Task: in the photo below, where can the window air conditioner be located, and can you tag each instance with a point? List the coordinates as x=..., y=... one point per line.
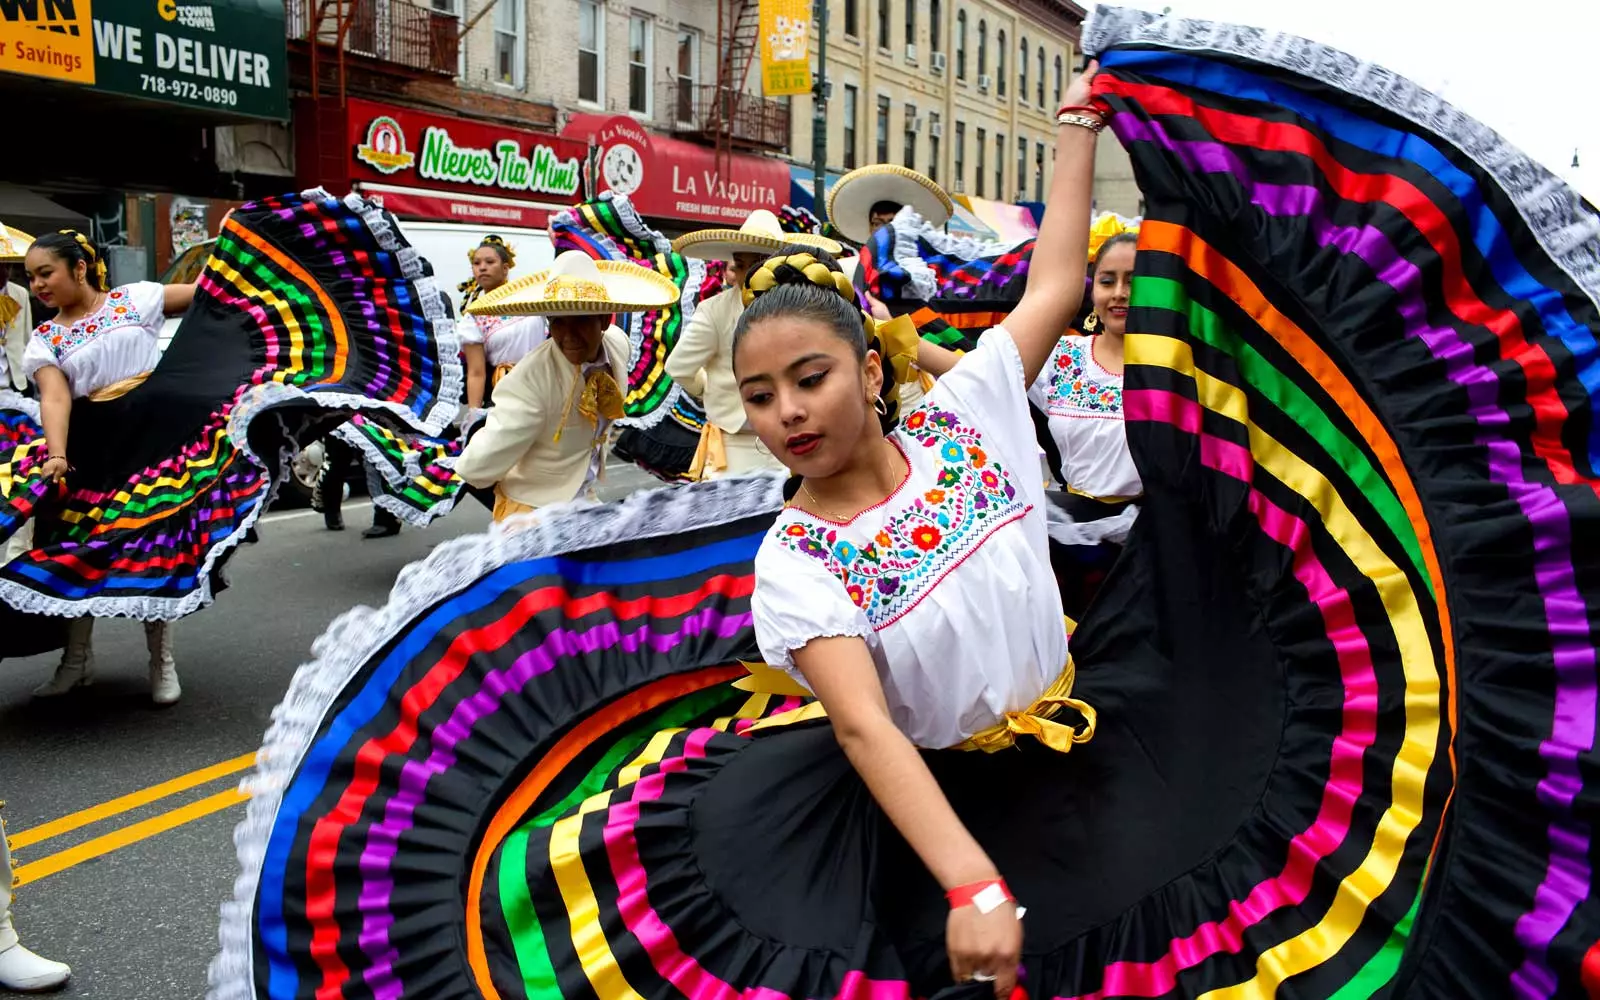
x=911, y=53
x=983, y=83
x=936, y=130
x=960, y=187
x=938, y=63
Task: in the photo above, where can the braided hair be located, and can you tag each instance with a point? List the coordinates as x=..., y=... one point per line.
x=73, y=247
x=469, y=289
x=806, y=283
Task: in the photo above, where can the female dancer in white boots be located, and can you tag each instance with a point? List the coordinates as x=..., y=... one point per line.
x=101, y=343
x=20, y=969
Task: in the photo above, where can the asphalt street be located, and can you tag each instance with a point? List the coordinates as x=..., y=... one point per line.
x=125, y=812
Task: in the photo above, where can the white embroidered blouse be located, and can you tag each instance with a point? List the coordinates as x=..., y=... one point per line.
x=948, y=579
x=119, y=340
x=1083, y=404
x=505, y=339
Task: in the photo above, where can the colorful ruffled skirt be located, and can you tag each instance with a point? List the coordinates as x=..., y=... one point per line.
x=311, y=308
x=1345, y=666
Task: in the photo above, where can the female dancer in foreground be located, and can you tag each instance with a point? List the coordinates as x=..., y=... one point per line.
x=907, y=585
x=102, y=342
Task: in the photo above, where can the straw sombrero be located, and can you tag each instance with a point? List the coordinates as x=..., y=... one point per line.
x=578, y=285
x=14, y=244
x=854, y=194
x=761, y=233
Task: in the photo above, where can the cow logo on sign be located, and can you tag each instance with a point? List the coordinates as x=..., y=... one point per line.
x=385, y=149
x=623, y=168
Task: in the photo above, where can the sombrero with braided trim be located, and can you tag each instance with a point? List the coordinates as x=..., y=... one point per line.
x=14, y=244
x=761, y=233
x=578, y=285
x=851, y=200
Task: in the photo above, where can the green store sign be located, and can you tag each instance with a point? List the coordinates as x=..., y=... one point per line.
x=227, y=56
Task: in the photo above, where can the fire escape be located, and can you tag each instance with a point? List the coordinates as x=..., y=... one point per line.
x=722, y=114
x=406, y=38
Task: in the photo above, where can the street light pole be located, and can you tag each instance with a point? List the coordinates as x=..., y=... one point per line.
x=819, y=108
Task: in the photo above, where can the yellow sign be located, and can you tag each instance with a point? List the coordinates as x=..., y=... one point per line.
x=785, y=47
x=53, y=38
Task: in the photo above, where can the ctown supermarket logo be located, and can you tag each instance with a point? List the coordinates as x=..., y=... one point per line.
x=385, y=149
x=60, y=16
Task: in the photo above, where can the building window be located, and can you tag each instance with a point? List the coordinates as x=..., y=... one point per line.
x=1000, y=60
x=850, y=111
x=852, y=18
x=935, y=26
x=1041, y=78
x=911, y=22
x=961, y=156
x=883, y=130
x=961, y=45
x=591, y=49
x=983, y=144
x=688, y=76
x=640, y=56
x=1022, y=167
x=910, y=159
x=509, y=40
x=983, y=47
x=1000, y=166
x=1058, y=81
x=883, y=24
x=1038, y=171
x=1022, y=72
x=934, y=130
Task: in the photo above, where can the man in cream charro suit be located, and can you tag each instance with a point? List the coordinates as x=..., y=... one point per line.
x=544, y=440
x=702, y=359
x=16, y=314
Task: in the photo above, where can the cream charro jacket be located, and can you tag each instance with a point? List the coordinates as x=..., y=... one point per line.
x=702, y=360
x=517, y=447
x=15, y=337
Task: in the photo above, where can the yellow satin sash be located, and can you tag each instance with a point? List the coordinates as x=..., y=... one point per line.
x=712, y=452
x=116, y=390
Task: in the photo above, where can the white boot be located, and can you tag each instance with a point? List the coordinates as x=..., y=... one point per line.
x=76, y=668
x=20, y=969
x=164, y=687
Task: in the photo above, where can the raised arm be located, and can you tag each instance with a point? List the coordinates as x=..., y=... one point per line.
x=1061, y=255
x=841, y=673
x=175, y=299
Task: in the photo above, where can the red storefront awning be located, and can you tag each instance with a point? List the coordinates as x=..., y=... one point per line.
x=668, y=178
x=429, y=166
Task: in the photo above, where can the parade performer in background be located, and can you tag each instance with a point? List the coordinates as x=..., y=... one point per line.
x=868, y=198
x=143, y=481
x=1343, y=670
x=545, y=438
x=16, y=310
x=702, y=360
x=102, y=343
x=490, y=345
x=20, y=969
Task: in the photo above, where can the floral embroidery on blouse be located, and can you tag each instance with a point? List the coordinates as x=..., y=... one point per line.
x=930, y=534
x=116, y=312
x=1077, y=385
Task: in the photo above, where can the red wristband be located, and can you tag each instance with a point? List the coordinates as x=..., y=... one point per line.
x=968, y=895
x=1100, y=110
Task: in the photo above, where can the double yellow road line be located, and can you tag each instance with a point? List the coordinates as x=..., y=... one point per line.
x=133, y=832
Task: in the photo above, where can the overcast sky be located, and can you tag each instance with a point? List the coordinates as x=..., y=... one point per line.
x=1528, y=68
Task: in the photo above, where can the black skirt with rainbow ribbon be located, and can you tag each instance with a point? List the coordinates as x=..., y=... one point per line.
x=311, y=308
x=1345, y=668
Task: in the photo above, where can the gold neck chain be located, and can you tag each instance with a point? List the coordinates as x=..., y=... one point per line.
x=888, y=464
